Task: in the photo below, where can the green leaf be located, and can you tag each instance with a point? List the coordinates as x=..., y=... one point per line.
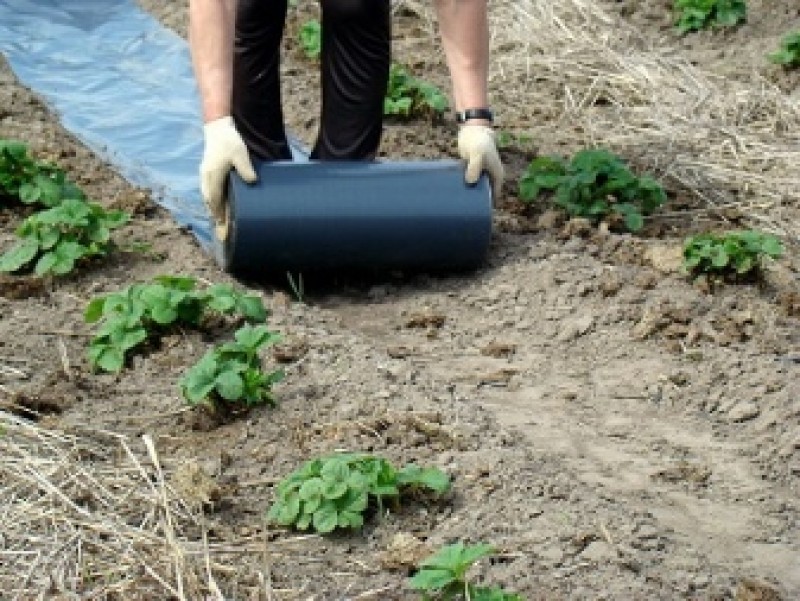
x=326, y=518
x=252, y=307
x=431, y=579
x=349, y=519
x=20, y=255
x=94, y=310
x=333, y=489
x=285, y=511
x=230, y=386
x=634, y=221
x=107, y=358
x=311, y=488
x=431, y=478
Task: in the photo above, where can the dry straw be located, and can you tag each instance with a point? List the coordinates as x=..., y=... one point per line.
x=573, y=75
x=83, y=517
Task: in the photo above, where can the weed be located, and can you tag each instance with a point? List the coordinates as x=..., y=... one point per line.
x=733, y=253
x=443, y=576
x=788, y=54
x=507, y=139
x=54, y=240
x=130, y=317
x=334, y=492
x=311, y=38
x=693, y=15
x=595, y=184
x=231, y=373
x=30, y=181
x=408, y=96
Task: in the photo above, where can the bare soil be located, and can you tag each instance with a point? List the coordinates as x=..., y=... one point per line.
x=614, y=429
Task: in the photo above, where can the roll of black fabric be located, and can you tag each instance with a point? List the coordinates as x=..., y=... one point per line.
x=344, y=216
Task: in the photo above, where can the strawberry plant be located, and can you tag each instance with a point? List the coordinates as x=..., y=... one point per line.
x=407, y=96
x=693, y=15
x=733, y=253
x=311, y=38
x=231, y=374
x=788, y=54
x=127, y=319
x=443, y=576
x=335, y=491
x=595, y=184
x=52, y=241
x=27, y=180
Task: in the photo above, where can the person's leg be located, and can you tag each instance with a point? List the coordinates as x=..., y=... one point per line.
x=356, y=54
x=256, y=102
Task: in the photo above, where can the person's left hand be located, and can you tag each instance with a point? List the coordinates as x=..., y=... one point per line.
x=476, y=145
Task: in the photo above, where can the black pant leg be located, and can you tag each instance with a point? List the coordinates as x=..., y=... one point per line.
x=356, y=55
x=256, y=101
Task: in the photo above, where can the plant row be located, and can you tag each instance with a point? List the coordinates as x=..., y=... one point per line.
x=694, y=15
x=597, y=185
x=68, y=229
x=406, y=95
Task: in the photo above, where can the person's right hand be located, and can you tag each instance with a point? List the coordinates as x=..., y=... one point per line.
x=224, y=149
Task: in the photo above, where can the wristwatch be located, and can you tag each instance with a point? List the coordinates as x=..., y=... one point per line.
x=476, y=113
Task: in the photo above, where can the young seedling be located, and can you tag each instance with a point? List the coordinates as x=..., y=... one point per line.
x=595, y=184
x=231, y=375
x=54, y=240
x=443, y=576
x=29, y=181
x=730, y=254
x=127, y=319
x=335, y=491
x=507, y=140
x=693, y=15
x=311, y=38
x=788, y=54
x=408, y=96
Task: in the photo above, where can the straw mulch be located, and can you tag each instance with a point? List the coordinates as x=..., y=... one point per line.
x=571, y=74
x=81, y=516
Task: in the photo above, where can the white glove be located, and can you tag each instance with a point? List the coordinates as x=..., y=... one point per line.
x=224, y=148
x=476, y=145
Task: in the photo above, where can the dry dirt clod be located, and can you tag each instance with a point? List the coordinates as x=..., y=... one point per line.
x=755, y=590
x=666, y=258
x=18, y=287
x=425, y=319
x=405, y=551
x=290, y=351
x=195, y=485
x=499, y=350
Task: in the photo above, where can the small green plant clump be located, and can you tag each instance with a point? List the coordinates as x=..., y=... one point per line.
x=507, y=139
x=443, y=576
x=311, y=38
x=24, y=179
x=231, y=374
x=595, y=184
x=733, y=253
x=788, y=54
x=694, y=15
x=334, y=492
x=54, y=240
x=408, y=96
x=127, y=319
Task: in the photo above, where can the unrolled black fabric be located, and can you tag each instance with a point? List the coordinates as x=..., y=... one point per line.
x=355, y=60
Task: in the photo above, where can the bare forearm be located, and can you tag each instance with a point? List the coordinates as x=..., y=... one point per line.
x=465, y=37
x=211, y=26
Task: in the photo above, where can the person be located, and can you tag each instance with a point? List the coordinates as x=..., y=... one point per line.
x=235, y=48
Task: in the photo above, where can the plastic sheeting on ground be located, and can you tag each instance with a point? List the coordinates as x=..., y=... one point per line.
x=120, y=82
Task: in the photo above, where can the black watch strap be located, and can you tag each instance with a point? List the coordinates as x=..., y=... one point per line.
x=477, y=113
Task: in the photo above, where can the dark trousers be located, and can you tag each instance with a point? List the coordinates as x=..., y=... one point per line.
x=356, y=53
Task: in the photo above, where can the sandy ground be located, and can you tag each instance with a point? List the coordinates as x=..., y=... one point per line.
x=616, y=431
